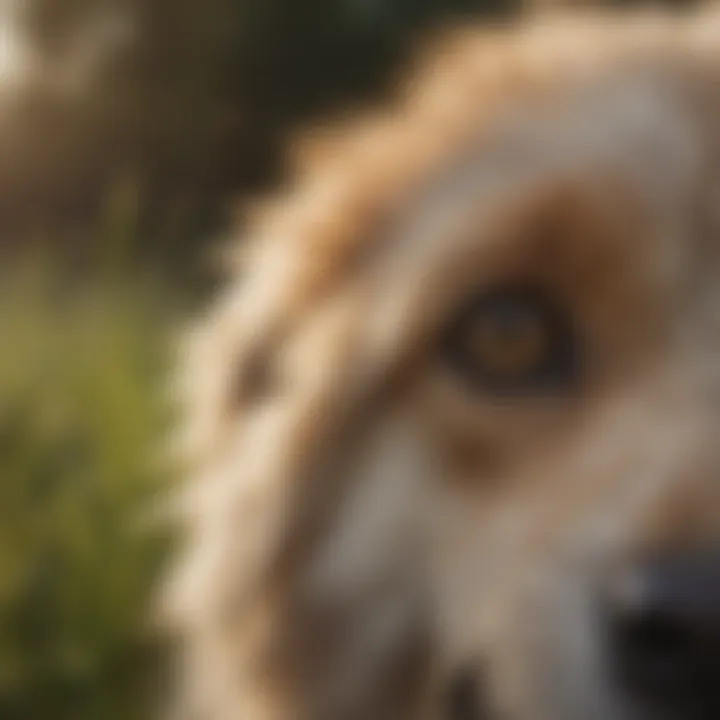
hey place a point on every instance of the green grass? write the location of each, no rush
(81, 414)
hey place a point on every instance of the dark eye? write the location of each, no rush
(512, 340)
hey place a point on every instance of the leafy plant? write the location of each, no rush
(81, 412)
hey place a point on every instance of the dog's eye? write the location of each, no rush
(512, 340)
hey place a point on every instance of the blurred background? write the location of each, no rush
(130, 130)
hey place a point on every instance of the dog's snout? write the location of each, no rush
(664, 636)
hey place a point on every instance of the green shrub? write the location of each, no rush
(81, 412)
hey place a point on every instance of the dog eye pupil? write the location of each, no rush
(512, 340)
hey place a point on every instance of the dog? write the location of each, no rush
(451, 427)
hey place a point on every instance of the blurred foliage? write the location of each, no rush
(80, 418)
(189, 100)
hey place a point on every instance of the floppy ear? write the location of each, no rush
(296, 595)
(269, 413)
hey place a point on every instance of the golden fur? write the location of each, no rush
(358, 525)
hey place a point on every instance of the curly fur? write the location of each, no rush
(356, 526)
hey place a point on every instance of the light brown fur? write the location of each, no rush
(358, 525)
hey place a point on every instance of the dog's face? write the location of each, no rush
(461, 461)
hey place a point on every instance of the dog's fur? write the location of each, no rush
(359, 525)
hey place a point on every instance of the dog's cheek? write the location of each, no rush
(365, 587)
(379, 524)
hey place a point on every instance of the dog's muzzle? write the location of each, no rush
(661, 627)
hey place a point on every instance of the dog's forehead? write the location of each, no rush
(604, 177)
(633, 118)
(619, 140)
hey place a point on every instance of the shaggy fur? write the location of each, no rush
(359, 526)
